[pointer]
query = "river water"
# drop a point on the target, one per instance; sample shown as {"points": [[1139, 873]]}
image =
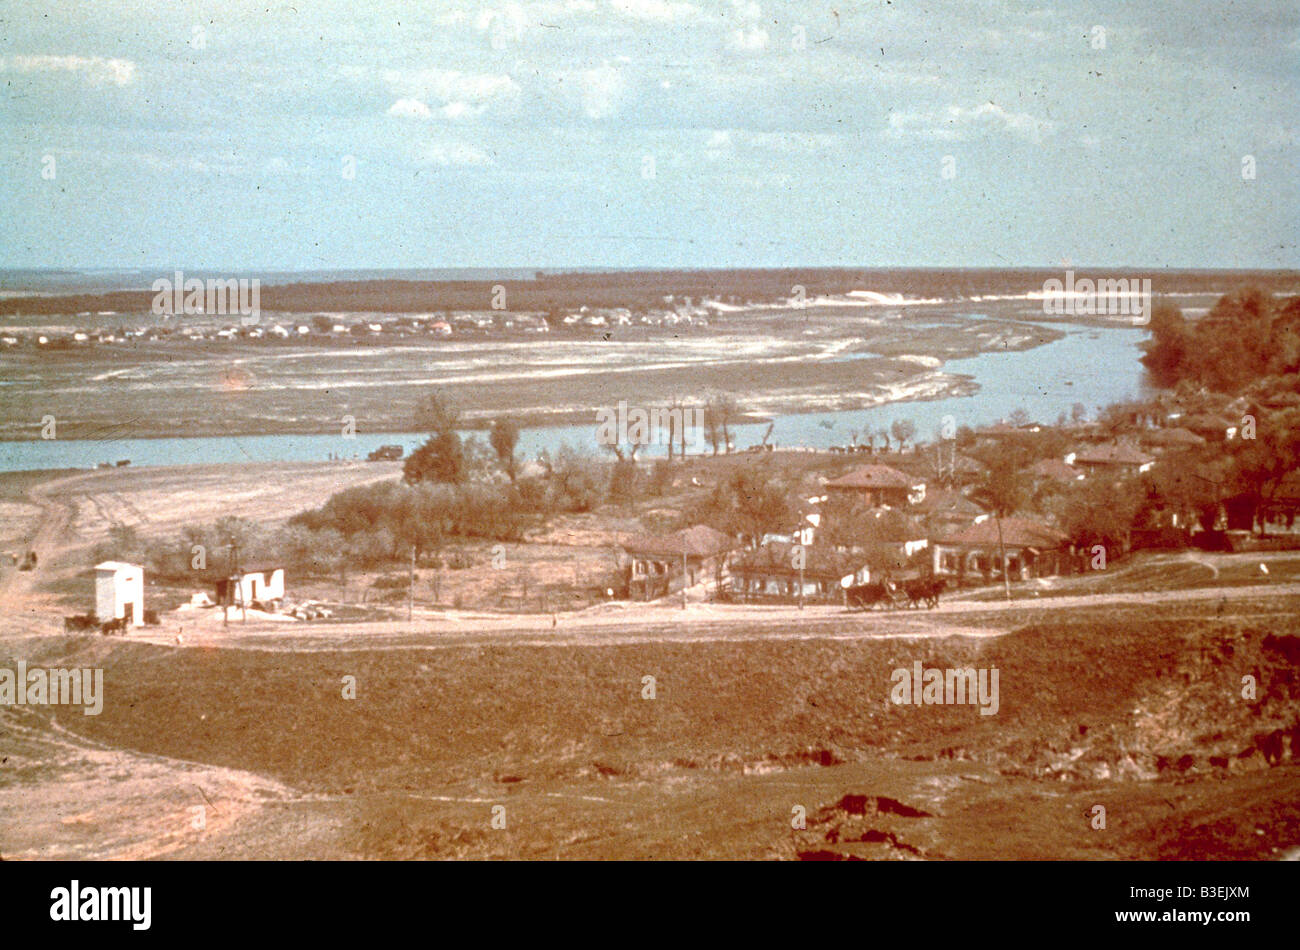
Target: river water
{"points": [[1094, 366]]}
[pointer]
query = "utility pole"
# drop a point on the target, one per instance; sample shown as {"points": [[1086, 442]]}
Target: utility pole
{"points": [[683, 569], [410, 590], [239, 582], [803, 556], [226, 595]]}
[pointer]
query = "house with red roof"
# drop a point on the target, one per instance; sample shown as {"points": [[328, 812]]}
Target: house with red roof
{"points": [[1032, 548], [656, 562], [879, 485]]}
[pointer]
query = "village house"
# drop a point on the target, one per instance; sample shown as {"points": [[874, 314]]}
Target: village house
{"points": [[250, 586], [1175, 437], [1115, 458], [119, 592], [1280, 514], [1033, 549], [878, 485], [772, 574], [945, 509], [894, 540], [1209, 426], [654, 562], [1055, 470]]}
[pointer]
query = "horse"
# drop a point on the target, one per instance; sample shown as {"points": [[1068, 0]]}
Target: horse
{"points": [[924, 590], [866, 596], [110, 627]]}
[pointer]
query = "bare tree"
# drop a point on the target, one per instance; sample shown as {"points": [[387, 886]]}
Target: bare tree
{"points": [[724, 406], [504, 438], [1002, 492], [903, 430]]}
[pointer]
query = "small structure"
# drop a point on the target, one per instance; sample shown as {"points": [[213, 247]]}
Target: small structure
{"points": [[772, 574], [250, 586], [1055, 470], [1280, 514], [879, 485], [1033, 549], [1176, 437], [1209, 426], [1115, 458], [945, 509], [654, 560], [119, 592]]}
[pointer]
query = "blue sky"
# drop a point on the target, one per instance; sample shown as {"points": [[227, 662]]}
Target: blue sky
{"points": [[656, 133]]}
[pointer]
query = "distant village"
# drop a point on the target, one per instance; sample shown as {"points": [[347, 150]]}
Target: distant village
{"points": [[87, 329], [921, 515]]}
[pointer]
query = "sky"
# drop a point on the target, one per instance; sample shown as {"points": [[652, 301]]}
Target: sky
{"points": [[319, 134]]}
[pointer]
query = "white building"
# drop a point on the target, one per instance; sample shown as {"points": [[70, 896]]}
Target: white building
{"points": [[119, 592], [260, 585]]}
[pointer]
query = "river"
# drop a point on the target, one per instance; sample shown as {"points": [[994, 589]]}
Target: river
{"points": [[1089, 365]]}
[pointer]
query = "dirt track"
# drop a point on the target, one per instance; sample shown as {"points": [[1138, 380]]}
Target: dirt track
{"points": [[76, 511]]}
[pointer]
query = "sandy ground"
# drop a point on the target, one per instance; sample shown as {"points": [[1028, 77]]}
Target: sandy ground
{"points": [[778, 362]]}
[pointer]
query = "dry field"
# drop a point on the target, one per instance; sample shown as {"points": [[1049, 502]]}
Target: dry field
{"points": [[238, 742], [1135, 708]]}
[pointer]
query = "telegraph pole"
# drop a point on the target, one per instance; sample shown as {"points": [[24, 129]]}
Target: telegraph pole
{"points": [[683, 569], [239, 583], [410, 590], [226, 597]]}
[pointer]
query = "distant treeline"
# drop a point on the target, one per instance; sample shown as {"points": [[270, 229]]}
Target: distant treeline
{"points": [[642, 290]]}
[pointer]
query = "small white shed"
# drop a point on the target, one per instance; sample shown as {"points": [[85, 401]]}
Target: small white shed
{"points": [[119, 592], [262, 584]]}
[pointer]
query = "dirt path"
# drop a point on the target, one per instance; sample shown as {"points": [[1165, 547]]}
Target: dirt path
{"points": [[21, 602], [637, 623]]}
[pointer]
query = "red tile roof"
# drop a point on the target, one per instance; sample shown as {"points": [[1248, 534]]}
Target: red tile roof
{"points": [[874, 476], [1054, 468], [1113, 454], [1016, 532], [699, 541]]}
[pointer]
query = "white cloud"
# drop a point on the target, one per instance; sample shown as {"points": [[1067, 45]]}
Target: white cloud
{"points": [[749, 40], [474, 91], [94, 69], [958, 122], [410, 109], [654, 9], [601, 91], [460, 110], [454, 153], [718, 145]]}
